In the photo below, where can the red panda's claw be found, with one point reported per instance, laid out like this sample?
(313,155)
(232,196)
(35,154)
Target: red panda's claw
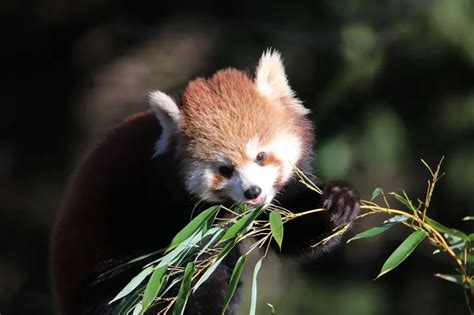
(341,202)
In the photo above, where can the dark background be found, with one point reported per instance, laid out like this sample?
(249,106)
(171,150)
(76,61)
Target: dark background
(388,82)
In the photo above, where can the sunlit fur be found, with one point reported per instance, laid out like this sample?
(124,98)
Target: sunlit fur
(168,115)
(153,172)
(272,82)
(227,120)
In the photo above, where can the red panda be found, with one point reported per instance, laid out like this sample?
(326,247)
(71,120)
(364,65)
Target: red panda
(232,138)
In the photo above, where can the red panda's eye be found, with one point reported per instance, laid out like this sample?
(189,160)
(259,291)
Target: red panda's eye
(261,156)
(226,171)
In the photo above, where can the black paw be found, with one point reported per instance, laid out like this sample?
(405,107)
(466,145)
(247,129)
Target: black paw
(341,202)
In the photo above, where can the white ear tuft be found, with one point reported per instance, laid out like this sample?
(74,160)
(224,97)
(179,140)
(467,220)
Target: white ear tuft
(169,116)
(271,81)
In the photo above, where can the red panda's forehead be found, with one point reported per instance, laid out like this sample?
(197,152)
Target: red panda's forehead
(222,114)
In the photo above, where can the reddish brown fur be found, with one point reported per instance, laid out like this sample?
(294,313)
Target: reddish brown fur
(225,112)
(218,180)
(271,159)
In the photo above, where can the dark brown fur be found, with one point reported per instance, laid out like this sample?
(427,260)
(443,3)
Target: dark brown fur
(118,172)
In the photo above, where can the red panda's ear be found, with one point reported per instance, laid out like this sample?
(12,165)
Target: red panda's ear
(271,81)
(168,114)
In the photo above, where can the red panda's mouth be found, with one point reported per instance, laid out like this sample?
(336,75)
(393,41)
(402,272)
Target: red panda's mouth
(257,201)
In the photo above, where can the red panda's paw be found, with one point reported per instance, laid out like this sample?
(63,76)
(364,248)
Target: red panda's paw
(341,202)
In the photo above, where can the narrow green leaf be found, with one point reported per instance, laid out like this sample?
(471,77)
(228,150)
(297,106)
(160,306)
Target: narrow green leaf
(404,200)
(241,224)
(402,251)
(153,287)
(370,232)
(471,237)
(458,279)
(456,243)
(377,192)
(181,250)
(237,227)
(234,281)
(396,219)
(171,285)
(443,229)
(379,229)
(137,309)
(135,282)
(193,226)
(134,260)
(214,235)
(184,290)
(213,267)
(253,301)
(126,305)
(471,218)
(276,225)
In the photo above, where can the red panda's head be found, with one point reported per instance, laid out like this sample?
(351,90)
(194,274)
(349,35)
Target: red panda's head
(239,137)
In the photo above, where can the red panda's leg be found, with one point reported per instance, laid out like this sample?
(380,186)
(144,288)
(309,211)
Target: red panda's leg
(342,205)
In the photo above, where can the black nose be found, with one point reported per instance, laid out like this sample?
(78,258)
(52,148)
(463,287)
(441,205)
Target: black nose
(253,192)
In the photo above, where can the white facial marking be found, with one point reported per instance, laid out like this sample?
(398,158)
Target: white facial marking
(284,147)
(198,181)
(252,174)
(287,148)
(252,147)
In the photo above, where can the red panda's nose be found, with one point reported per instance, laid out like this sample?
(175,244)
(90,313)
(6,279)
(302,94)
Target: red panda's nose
(253,192)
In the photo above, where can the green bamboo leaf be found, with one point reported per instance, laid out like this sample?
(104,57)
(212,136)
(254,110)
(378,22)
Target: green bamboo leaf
(214,235)
(132,261)
(379,229)
(126,305)
(234,281)
(377,192)
(370,232)
(443,229)
(213,267)
(404,200)
(153,287)
(458,279)
(471,218)
(402,252)
(133,284)
(471,237)
(137,309)
(184,290)
(171,285)
(456,243)
(253,301)
(241,224)
(237,227)
(180,251)
(276,226)
(198,222)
